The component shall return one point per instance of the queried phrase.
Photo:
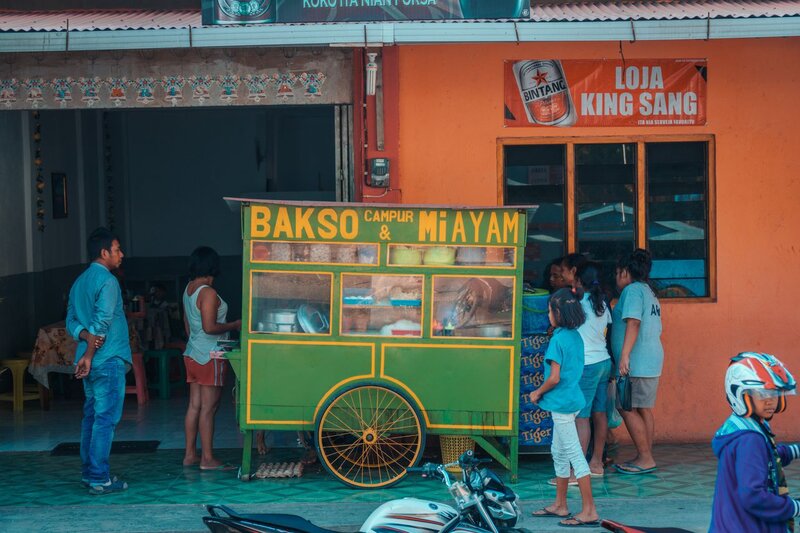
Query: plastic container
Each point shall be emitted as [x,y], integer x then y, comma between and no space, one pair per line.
[534,311]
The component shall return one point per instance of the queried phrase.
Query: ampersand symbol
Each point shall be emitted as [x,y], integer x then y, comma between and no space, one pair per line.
[384,234]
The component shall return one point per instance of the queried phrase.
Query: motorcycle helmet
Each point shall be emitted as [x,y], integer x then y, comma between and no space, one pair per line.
[757,373]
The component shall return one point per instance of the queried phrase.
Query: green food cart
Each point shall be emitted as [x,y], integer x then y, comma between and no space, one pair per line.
[373,325]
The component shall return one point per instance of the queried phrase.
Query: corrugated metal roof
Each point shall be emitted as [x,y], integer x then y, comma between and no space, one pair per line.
[97,20]
[663,10]
[88,20]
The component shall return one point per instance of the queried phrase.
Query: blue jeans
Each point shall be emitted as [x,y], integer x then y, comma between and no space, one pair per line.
[104,388]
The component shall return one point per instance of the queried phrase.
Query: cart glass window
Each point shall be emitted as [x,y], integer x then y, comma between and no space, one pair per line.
[452,256]
[381,305]
[314,252]
[473,306]
[291,302]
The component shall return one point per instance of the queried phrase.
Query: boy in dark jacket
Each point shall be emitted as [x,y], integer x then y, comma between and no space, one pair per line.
[751,493]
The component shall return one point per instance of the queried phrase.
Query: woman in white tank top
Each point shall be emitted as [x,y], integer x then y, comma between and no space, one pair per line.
[205,315]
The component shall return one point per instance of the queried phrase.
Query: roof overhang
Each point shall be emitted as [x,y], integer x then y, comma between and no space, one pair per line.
[399,33]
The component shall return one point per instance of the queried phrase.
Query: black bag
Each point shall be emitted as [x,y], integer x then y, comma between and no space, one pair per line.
[624,393]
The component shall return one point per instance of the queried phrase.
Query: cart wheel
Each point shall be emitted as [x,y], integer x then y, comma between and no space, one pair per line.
[368,435]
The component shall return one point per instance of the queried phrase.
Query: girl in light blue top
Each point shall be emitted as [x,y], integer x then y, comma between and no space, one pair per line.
[561,395]
[205,319]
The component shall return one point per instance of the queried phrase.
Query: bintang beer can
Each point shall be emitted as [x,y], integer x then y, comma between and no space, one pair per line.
[545,93]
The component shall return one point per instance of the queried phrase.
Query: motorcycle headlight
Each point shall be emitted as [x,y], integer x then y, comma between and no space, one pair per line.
[498,508]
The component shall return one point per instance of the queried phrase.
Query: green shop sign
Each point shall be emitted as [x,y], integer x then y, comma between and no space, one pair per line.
[266,11]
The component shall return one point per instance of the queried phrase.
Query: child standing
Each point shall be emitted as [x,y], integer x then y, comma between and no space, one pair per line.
[751,492]
[561,395]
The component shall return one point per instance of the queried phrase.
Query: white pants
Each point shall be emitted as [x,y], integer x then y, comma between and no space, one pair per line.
[566,447]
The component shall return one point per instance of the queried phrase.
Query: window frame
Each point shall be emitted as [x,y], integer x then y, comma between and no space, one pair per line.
[571,222]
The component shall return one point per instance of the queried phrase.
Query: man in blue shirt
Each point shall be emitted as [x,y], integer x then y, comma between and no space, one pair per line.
[95,319]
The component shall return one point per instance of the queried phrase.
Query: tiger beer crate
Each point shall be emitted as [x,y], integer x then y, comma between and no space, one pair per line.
[535,424]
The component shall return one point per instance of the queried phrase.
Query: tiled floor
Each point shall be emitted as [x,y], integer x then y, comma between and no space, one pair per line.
[32,477]
[35,478]
[37,430]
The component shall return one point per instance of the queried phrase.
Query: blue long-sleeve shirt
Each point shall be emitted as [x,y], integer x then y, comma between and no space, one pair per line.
[746,496]
[95,305]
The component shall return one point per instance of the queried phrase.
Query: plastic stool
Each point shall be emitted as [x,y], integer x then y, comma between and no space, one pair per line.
[140,378]
[163,358]
[19,395]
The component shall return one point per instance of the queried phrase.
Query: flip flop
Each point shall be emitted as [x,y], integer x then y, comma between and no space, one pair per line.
[544,513]
[595,474]
[219,468]
[579,523]
[634,470]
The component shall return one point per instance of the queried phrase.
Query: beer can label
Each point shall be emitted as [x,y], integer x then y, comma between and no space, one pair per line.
[545,93]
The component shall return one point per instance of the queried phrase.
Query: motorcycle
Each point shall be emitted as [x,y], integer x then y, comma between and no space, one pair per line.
[483,504]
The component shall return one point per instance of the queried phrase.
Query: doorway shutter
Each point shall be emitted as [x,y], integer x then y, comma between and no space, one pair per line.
[345,183]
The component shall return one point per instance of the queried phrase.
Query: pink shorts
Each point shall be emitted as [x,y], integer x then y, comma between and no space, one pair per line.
[211,373]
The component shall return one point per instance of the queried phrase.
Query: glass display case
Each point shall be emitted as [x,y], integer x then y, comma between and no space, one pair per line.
[314,252]
[465,306]
[291,302]
[403,255]
[384,305]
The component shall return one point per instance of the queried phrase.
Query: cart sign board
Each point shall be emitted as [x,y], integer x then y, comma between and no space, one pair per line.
[266,11]
[396,225]
[635,92]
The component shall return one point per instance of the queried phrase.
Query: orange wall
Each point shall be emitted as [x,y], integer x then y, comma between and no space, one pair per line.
[451,116]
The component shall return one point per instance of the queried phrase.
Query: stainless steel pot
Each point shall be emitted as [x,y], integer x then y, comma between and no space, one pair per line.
[273,327]
[281,316]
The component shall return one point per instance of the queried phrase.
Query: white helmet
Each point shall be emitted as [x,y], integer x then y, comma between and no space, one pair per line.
[752,371]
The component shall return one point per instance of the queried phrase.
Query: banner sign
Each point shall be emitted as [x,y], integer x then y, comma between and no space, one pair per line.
[404,225]
[635,92]
[266,11]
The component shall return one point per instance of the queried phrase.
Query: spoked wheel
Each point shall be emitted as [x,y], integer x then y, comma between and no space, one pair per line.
[368,435]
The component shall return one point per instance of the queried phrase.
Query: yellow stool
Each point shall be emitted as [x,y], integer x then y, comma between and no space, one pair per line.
[19,395]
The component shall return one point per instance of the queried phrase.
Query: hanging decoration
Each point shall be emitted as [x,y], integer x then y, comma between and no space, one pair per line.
[34,88]
[108,173]
[257,87]
[145,87]
[8,92]
[284,81]
[228,84]
[90,93]
[201,88]
[312,81]
[62,91]
[173,89]
[37,164]
[116,90]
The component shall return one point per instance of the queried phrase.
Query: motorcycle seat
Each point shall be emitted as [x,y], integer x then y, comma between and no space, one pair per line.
[285,521]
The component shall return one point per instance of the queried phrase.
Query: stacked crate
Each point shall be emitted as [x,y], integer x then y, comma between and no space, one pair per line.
[535,425]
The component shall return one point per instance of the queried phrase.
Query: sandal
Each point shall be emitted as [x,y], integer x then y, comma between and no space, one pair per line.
[115,485]
[577,522]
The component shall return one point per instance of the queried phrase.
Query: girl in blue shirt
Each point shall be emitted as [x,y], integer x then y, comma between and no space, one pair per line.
[561,395]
